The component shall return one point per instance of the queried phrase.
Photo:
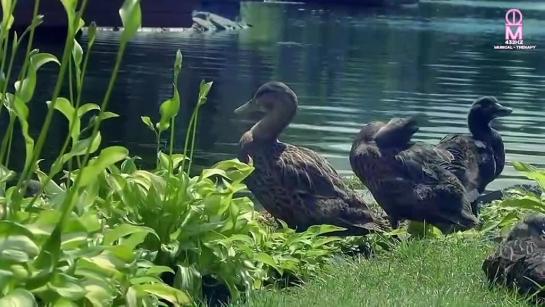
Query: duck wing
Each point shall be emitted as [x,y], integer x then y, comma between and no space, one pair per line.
[327,197]
[437,190]
[473,162]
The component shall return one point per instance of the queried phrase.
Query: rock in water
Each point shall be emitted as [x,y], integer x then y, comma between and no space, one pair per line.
[206,21]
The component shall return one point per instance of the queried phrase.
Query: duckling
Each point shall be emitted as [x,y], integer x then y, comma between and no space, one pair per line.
[293,183]
[519,261]
[479,157]
[408,179]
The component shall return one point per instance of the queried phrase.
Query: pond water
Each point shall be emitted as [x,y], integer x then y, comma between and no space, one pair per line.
[348,67]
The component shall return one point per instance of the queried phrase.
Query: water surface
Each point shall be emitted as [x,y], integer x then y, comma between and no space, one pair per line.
[347,66]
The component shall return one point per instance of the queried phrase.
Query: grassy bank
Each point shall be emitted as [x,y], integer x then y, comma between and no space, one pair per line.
[417,273]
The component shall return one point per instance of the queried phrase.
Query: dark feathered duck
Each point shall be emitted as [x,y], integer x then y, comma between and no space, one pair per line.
[479,157]
[519,262]
[408,179]
[294,183]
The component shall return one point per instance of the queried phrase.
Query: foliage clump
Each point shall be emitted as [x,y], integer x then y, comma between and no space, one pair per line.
[96,229]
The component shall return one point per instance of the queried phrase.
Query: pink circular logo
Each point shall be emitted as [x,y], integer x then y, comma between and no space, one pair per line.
[513,17]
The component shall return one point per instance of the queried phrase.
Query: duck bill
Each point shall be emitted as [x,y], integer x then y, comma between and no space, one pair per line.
[503,111]
[246,108]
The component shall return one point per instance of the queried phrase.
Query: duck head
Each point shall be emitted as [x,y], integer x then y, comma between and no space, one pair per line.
[482,112]
[488,108]
[275,104]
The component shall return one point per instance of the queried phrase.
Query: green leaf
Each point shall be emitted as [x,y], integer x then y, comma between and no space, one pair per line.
[91,35]
[70,9]
[131,17]
[168,110]
[83,109]
[203,92]
[21,110]
[106,158]
[18,297]
[5,174]
[7,17]
[532,173]
[67,287]
[525,202]
[178,64]
[124,230]
[25,88]
[77,56]
[162,291]
[78,149]
[147,121]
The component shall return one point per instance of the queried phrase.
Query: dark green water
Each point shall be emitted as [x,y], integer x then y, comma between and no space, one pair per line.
[348,67]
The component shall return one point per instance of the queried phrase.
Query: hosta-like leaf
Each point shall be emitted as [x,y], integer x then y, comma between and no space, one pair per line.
[125,230]
[25,88]
[527,202]
[172,295]
[67,286]
[107,157]
[168,110]
[131,17]
[18,298]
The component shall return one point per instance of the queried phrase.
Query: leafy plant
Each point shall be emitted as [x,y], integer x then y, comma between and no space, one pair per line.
[500,216]
[100,231]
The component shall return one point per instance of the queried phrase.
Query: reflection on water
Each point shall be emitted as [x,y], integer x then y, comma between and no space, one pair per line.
[348,67]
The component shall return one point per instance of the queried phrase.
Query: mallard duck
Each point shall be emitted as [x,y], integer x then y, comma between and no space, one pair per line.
[408,179]
[293,183]
[479,157]
[519,261]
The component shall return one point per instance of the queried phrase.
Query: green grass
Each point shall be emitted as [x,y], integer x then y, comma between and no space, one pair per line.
[443,272]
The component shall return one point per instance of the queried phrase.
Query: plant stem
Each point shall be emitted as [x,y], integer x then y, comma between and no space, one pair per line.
[195,122]
[187,137]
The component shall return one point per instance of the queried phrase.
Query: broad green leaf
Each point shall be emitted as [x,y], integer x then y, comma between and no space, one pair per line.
[188,278]
[70,7]
[106,158]
[168,110]
[25,88]
[323,229]
[124,230]
[63,302]
[79,149]
[18,298]
[532,173]
[99,291]
[526,202]
[7,17]
[172,295]
[67,287]
[83,109]
[77,56]
[131,17]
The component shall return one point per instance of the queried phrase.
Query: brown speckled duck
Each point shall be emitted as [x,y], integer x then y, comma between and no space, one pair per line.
[519,262]
[408,179]
[294,183]
[479,157]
